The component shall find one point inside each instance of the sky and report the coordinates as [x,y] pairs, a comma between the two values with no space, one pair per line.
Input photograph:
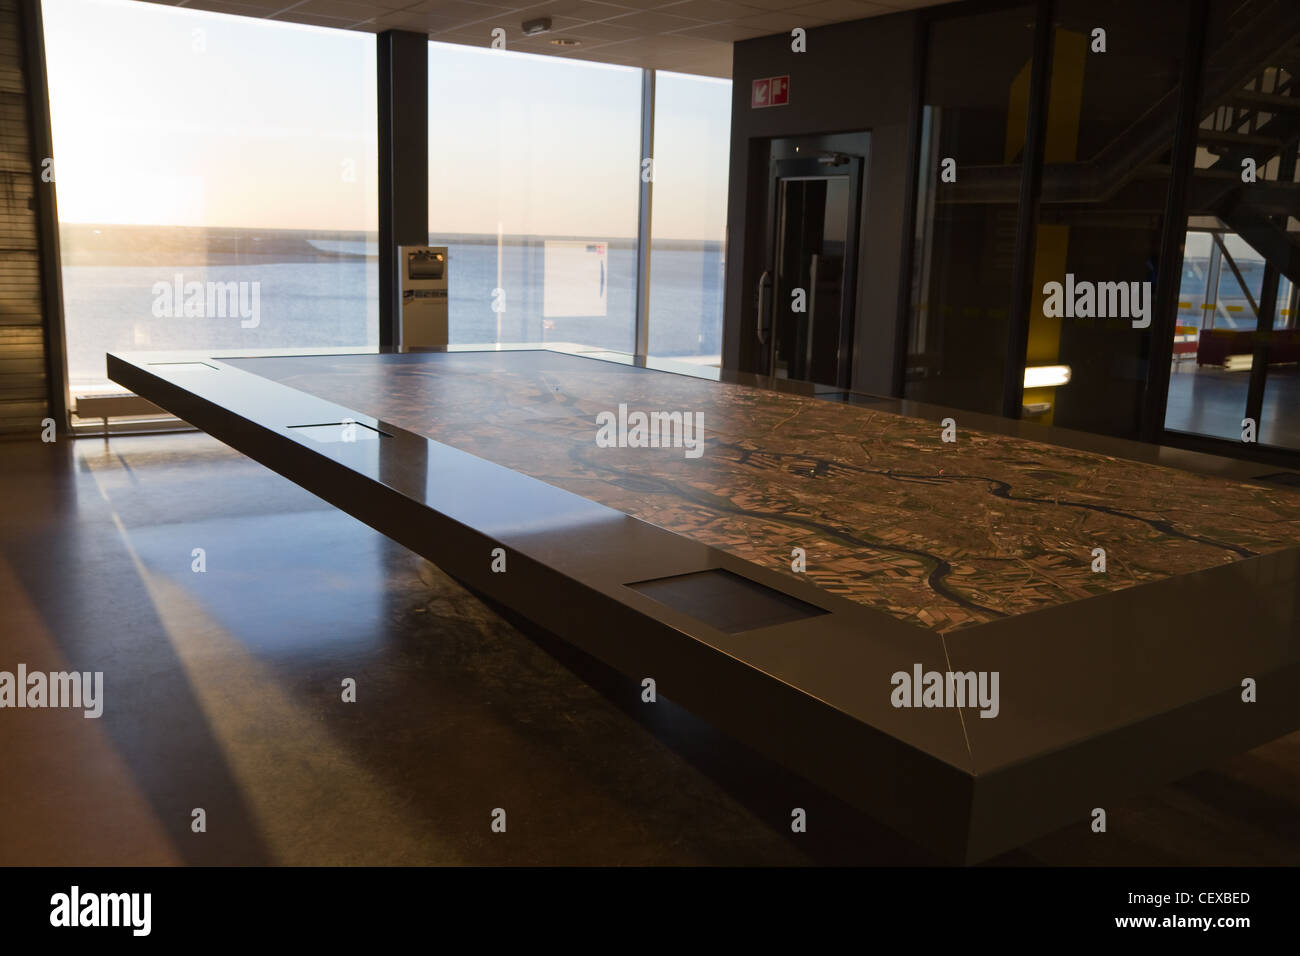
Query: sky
[168,116]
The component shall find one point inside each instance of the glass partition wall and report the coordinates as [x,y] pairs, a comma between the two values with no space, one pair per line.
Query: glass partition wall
[1106,170]
[1074,195]
[1236,352]
[973,137]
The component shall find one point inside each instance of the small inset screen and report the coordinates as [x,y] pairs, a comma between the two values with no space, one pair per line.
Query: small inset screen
[332,432]
[726,601]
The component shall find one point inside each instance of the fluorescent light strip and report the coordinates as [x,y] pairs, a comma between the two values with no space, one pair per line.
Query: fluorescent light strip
[1046,376]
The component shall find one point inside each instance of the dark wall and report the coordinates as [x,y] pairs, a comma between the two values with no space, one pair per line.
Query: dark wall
[854,76]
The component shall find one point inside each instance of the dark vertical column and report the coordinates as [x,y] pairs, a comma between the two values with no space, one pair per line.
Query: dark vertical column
[1267,312]
[916,111]
[45,209]
[1169,273]
[403,92]
[1031,182]
[1263,337]
[641,330]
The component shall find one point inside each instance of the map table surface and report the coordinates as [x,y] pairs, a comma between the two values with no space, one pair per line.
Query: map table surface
[942,534]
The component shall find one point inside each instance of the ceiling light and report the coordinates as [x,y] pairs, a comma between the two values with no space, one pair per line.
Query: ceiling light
[565,41]
[532,28]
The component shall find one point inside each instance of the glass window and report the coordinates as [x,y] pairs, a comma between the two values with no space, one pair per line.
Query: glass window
[534,180]
[1110,121]
[976,103]
[216,181]
[1233,306]
[689,216]
[1194,293]
[1245,122]
[1285,316]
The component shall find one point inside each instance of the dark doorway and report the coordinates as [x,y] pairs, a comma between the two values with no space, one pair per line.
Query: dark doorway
[808,289]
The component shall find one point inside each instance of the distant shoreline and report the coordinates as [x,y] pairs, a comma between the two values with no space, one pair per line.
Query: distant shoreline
[88,244]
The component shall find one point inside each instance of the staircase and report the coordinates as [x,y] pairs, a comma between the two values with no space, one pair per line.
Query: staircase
[1251,103]
[1258,121]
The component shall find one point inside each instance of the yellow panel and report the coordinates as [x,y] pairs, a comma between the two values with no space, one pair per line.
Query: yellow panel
[1065,103]
[1017,113]
[1065,99]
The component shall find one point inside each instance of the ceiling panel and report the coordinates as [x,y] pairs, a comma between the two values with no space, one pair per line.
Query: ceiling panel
[689,36]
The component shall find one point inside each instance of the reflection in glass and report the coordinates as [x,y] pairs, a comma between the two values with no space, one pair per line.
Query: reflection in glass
[975,107]
[814,213]
[1110,122]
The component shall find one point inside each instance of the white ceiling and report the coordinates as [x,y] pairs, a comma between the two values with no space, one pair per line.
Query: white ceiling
[687,36]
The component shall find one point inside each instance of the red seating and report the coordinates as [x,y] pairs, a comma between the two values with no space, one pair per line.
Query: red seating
[1216,345]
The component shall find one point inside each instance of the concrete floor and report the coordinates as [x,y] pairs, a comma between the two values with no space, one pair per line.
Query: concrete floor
[223,691]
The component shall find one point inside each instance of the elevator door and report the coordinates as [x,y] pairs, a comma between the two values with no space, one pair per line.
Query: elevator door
[813,259]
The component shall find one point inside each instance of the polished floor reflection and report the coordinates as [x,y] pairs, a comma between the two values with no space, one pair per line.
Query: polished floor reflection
[223,693]
[1212,401]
